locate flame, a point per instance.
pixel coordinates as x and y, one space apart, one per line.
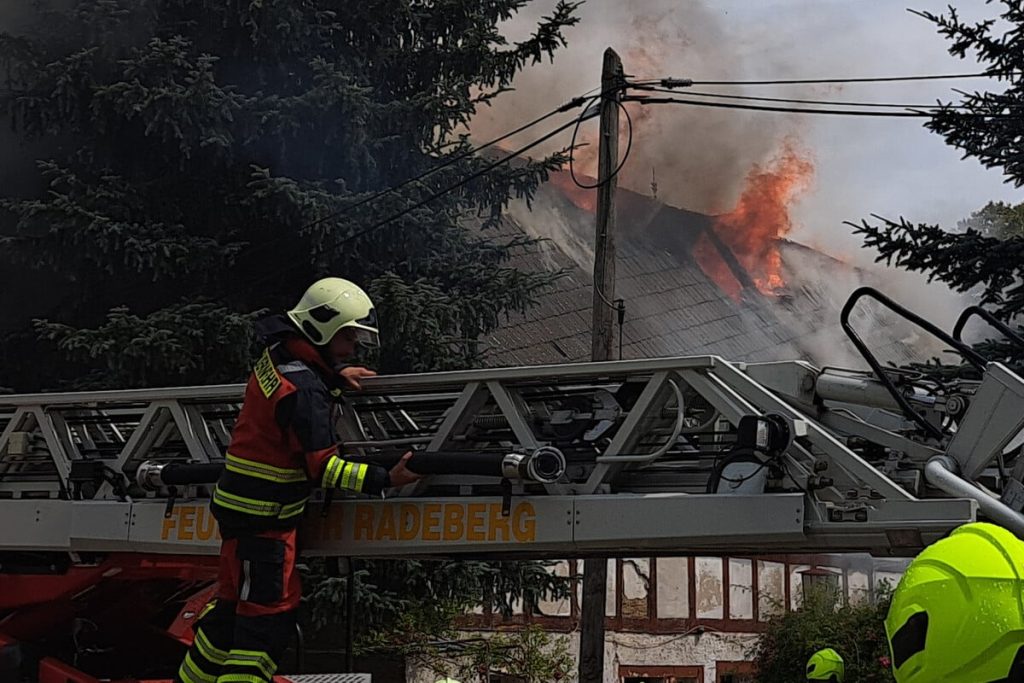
714 266
761 215
582 198
750 230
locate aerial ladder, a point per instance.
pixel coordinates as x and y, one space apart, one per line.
104 494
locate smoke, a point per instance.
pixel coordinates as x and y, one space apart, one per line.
547 220
829 283
698 157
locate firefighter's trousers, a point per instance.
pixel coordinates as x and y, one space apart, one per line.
242 634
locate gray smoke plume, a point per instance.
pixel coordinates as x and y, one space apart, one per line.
698 157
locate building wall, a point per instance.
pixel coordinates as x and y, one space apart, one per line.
651 655
693 619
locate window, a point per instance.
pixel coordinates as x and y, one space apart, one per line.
859 585
741 594
506 678
661 674
636 584
710 599
673 588
889 579
735 678
796 585
734 672
771 590
557 608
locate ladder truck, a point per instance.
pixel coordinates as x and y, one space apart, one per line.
106 534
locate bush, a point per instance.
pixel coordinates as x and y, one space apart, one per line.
856 631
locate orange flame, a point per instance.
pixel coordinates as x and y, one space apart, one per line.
761 215
582 198
710 260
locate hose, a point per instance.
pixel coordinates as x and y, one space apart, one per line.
941 470
544 465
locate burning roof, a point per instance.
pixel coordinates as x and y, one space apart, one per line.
692 284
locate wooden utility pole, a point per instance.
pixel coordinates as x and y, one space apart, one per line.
595 570
604 248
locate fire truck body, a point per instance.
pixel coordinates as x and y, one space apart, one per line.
108 547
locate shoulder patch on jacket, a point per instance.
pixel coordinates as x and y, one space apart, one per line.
294 366
266 374
302 376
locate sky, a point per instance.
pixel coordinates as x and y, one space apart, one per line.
892 167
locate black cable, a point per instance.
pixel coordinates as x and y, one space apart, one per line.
572 143
255 249
575 102
572 104
620 164
787 110
800 81
750 476
451 188
487 169
747 455
620 309
785 468
789 100
465 181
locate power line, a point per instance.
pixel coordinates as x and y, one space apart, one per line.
790 100
465 181
668 82
263 246
803 81
423 202
618 167
787 110
572 104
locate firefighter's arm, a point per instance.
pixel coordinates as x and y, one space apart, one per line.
352 376
348 378
311 422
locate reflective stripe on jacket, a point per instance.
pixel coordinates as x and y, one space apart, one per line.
282 444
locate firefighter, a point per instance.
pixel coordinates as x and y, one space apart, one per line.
283 443
957 614
826 665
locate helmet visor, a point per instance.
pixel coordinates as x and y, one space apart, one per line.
909 639
365 336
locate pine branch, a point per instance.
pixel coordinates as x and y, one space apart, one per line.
963 261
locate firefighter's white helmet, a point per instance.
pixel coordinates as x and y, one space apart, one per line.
331 304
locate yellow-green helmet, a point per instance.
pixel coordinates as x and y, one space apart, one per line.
331 304
957 615
826 665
